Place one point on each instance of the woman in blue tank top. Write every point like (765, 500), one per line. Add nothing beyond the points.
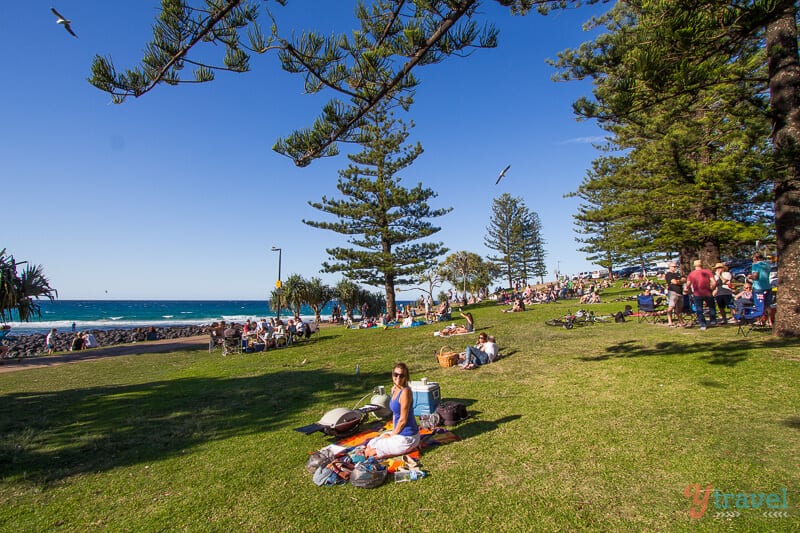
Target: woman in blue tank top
(404, 436)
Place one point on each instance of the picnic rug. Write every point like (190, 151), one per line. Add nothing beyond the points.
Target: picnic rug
(428, 439)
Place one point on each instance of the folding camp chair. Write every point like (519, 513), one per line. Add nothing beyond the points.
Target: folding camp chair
(214, 341)
(232, 344)
(746, 317)
(647, 310)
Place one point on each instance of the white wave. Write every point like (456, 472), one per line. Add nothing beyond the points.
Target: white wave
(115, 317)
(27, 328)
(167, 316)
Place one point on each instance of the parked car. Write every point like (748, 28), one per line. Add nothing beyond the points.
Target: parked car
(742, 275)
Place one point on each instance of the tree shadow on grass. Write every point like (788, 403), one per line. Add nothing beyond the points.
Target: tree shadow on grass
(728, 353)
(792, 422)
(477, 427)
(48, 436)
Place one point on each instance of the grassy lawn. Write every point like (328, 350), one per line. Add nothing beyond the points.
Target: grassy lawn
(596, 428)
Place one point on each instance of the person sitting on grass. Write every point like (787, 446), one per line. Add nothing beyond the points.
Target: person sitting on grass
(404, 435)
(484, 352)
(89, 340)
(77, 343)
(516, 308)
(443, 311)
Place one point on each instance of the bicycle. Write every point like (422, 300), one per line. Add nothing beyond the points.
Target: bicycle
(579, 319)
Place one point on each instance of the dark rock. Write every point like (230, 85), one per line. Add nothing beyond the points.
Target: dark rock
(35, 344)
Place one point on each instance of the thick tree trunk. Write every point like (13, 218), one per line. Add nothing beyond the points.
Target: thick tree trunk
(784, 86)
(391, 308)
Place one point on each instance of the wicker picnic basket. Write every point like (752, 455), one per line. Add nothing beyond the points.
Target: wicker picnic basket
(446, 357)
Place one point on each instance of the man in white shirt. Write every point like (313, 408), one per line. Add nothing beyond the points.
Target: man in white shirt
(484, 352)
(90, 341)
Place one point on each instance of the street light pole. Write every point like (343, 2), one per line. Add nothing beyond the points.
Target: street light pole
(278, 283)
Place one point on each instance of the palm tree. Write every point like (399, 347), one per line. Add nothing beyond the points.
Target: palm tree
(294, 293)
(277, 300)
(19, 292)
(349, 295)
(318, 295)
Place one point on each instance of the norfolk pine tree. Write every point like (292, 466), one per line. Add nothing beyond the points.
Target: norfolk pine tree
(382, 219)
(505, 234)
(531, 255)
(667, 51)
(515, 233)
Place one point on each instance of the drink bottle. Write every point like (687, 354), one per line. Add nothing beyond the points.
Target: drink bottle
(408, 475)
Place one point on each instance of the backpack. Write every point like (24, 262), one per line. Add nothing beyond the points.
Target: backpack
(368, 474)
(451, 413)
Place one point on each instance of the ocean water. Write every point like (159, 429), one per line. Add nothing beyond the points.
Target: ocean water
(125, 314)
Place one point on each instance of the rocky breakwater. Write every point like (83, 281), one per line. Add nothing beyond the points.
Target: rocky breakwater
(35, 344)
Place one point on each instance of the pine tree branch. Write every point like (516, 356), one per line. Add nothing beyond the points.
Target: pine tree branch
(444, 26)
(180, 55)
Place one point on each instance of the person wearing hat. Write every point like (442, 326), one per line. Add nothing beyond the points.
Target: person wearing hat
(761, 285)
(701, 286)
(723, 294)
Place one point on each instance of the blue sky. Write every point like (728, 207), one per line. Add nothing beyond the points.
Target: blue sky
(178, 194)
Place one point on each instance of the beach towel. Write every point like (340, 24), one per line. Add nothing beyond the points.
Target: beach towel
(428, 439)
(439, 334)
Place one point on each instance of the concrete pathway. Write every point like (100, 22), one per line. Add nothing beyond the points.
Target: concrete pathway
(160, 346)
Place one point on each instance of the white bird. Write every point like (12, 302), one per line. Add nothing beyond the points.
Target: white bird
(503, 173)
(62, 20)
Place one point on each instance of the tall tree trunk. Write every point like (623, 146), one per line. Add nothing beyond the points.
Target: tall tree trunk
(784, 86)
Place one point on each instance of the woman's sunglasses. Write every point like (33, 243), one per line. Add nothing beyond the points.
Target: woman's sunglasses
(398, 374)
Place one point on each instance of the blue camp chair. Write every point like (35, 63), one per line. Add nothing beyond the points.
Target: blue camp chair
(747, 316)
(647, 310)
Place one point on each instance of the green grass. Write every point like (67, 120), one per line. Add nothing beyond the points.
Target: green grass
(598, 428)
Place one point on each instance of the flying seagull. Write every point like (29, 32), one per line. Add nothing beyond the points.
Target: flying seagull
(62, 20)
(503, 173)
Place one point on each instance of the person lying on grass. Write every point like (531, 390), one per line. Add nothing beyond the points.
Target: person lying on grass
(469, 327)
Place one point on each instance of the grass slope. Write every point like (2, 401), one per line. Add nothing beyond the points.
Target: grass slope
(597, 428)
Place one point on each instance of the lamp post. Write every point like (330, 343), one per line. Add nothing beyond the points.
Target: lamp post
(278, 283)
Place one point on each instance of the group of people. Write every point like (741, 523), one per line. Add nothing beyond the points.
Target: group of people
(81, 341)
(271, 332)
(711, 291)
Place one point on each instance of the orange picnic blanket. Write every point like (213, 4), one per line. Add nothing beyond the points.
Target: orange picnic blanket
(428, 438)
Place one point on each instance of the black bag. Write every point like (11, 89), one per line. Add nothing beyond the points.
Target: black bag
(619, 317)
(451, 413)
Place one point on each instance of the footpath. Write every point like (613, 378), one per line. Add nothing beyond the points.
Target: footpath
(160, 346)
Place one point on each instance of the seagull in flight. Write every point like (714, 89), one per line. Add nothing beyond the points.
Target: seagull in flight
(62, 20)
(503, 173)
